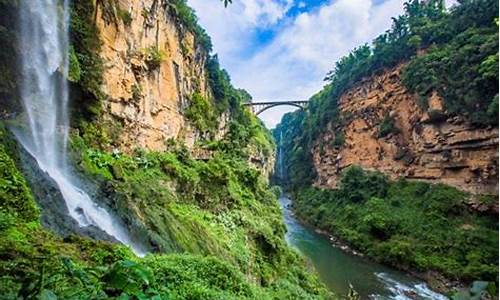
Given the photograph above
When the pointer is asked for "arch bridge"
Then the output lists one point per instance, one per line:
(261, 106)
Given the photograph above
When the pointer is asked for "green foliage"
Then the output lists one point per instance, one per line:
(387, 126)
(187, 17)
(358, 185)
(219, 216)
(201, 113)
(154, 57)
(220, 83)
(99, 134)
(214, 278)
(129, 278)
(125, 16)
(339, 140)
(219, 207)
(16, 200)
(112, 12)
(74, 72)
(406, 224)
(464, 71)
(86, 44)
(297, 162)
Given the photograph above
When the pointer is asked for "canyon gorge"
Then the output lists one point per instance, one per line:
(132, 168)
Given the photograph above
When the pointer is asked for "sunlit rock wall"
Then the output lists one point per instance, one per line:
(427, 145)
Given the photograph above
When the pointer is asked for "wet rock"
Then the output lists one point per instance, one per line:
(55, 214)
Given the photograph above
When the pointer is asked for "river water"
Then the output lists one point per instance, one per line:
(338, 269)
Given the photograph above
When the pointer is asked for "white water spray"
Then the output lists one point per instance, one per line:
(401, 291)
(44, 44)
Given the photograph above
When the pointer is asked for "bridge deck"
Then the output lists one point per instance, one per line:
(275, 102)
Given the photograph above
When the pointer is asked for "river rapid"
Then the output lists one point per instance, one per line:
(338, 269)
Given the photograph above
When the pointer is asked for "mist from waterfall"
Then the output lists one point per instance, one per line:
(44, 45)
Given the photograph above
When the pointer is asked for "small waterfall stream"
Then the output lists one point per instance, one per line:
(280, 170)
(44, 42)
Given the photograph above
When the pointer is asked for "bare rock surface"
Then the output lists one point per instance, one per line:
(426, 145)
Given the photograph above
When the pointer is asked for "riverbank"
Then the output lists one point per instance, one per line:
(340, 271)
(436, 281)
(414, 226)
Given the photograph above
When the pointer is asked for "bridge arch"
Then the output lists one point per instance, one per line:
(260, 107)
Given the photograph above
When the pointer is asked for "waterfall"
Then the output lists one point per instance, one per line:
(44, 44)
(281, 165)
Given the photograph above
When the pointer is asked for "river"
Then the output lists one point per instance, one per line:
(337, 269)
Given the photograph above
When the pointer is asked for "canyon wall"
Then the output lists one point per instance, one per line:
(420, 145)
(152, 66)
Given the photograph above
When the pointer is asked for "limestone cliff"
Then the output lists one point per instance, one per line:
(420, 145)
(152, 66)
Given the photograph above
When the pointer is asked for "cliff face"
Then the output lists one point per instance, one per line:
(152, 66)
(418, 144)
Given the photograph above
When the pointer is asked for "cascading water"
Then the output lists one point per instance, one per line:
(280, 163)
(44, 91)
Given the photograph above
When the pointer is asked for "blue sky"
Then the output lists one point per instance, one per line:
(282, 49)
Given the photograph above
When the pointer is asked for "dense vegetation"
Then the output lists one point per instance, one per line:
(85, 61)
(181, 213)
(413, 225)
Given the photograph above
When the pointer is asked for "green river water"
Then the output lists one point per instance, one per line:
(338, 269)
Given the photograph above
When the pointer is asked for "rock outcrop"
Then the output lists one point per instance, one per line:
(417, 144)
(152, 66)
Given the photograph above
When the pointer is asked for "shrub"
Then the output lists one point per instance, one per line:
(387, 126)
(356, 185)
(201, 113)
(339, 139)
(154, 57)
(15, 196)
(124, 15)
(188, 18)
(74, 72)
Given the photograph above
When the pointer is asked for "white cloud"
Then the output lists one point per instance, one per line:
(305, 48)
(232, 29)
(264, 12)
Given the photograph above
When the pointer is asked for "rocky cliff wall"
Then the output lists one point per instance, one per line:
(152, 66)
(417, 144)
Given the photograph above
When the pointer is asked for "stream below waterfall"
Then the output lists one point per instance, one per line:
(338, 269)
